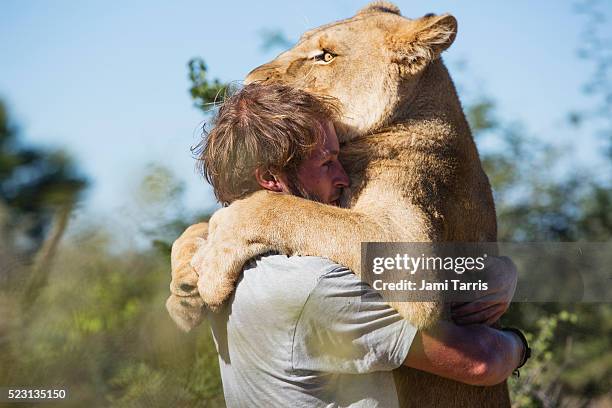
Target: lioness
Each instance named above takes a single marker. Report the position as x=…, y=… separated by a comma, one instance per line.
x=415, y=172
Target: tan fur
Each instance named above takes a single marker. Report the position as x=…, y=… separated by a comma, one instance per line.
x=415, y=172
x=185, y=305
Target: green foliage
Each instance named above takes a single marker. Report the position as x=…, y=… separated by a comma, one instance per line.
x=205, y=93
x=539, y=384
x=101, y=330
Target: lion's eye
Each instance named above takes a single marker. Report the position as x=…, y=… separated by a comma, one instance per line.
x=325, y=56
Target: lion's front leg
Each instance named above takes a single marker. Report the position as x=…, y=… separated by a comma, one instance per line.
x=267, y=221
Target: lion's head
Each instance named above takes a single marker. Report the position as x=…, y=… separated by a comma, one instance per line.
x=370, y=62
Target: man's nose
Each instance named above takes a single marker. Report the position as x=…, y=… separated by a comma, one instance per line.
x=342, y=179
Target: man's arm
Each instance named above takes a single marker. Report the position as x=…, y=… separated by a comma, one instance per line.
x=475, y=354
x=345, y=327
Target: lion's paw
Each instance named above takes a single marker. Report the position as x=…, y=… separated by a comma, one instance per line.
x=184, y=280
x=219, y=265
x=186, y=311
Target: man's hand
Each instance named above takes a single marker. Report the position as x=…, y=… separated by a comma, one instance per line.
x=487, y=309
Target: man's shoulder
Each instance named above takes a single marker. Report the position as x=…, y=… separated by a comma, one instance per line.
x=289, y=279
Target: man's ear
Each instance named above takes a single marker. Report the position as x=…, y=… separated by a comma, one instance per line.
x=268, y=181
x=418, y=42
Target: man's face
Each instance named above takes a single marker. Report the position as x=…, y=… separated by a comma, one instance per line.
x=321, y=177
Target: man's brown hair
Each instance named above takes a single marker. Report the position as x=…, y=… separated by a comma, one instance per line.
x=270, y=127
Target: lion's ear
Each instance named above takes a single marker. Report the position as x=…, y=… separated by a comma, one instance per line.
x=418, y=42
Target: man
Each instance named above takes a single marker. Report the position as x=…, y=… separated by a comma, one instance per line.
x=298, y=331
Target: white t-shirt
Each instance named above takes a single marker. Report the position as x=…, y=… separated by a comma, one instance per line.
x=306, y=332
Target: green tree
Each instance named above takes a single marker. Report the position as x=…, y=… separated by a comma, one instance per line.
x=204, y=92
x=34, y=184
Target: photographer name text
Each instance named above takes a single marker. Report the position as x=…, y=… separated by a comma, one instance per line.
x=425, y=286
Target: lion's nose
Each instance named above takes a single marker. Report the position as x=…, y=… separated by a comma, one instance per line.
x=262, y=73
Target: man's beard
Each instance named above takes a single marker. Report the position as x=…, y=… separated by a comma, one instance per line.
x=296, y=189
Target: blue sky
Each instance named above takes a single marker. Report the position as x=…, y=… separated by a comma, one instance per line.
x=107, y=81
